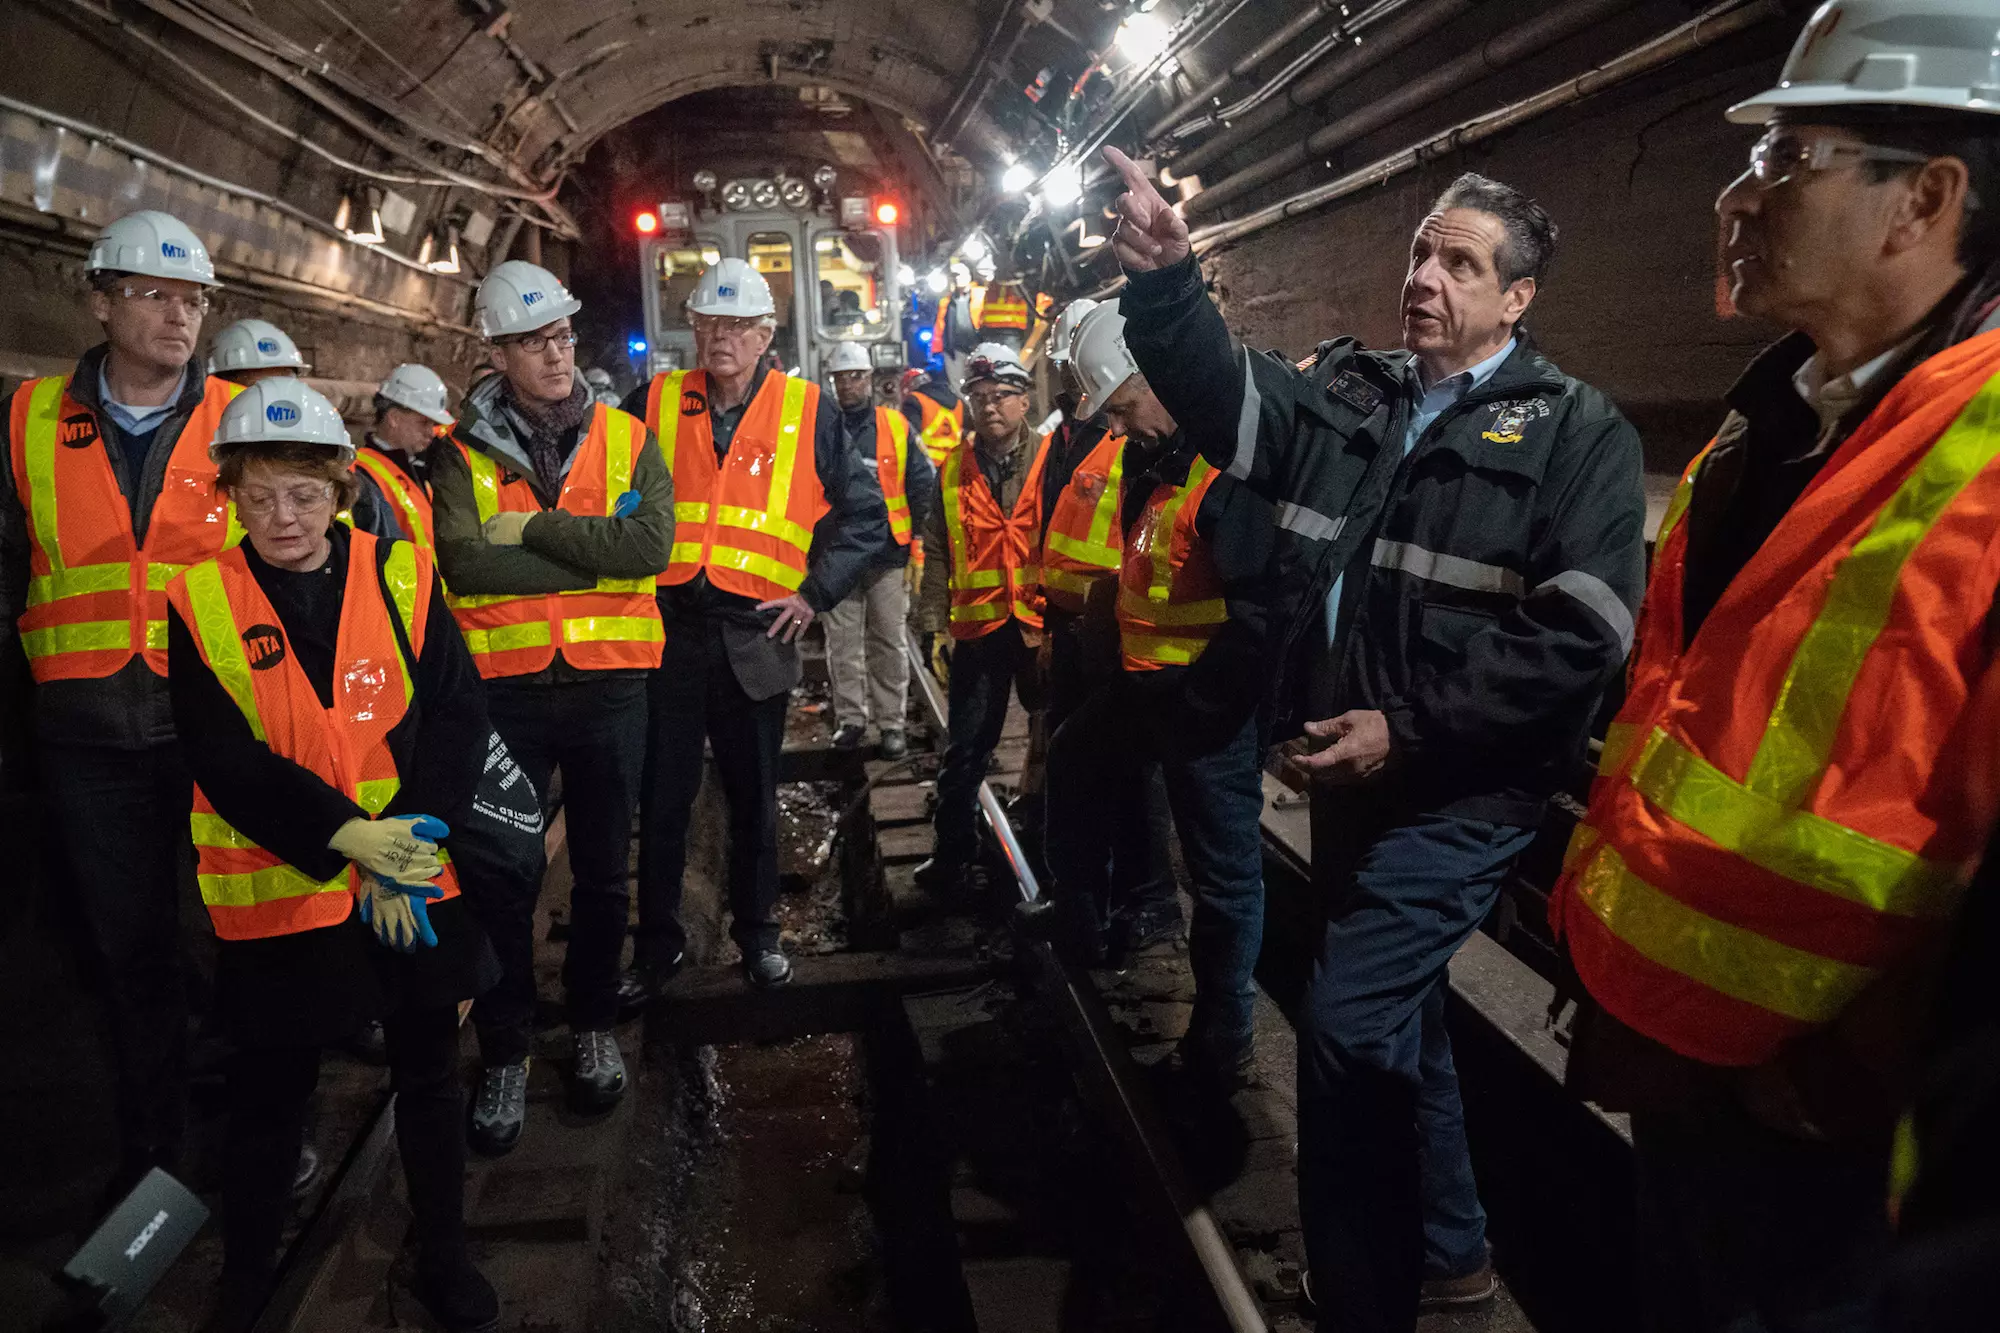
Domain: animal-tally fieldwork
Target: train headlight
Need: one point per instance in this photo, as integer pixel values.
(736, 195)
(704, 180)
(795, 192)
(764, 194)
(825, 177)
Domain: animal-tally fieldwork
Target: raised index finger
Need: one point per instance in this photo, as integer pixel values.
(1135, 179)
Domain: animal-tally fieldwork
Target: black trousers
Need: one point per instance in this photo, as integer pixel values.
(695, 695)
(595, 732)
(983, 670)
(268, 1091)
(120, 824)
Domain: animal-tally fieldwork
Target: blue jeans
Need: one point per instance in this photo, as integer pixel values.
(1216, 796)
(1386, 1193)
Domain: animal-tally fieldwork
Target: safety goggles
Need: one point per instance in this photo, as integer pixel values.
(1781, 155)
(994, 397)
(158, 298)
(302, 499)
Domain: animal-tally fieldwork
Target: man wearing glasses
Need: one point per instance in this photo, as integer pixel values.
(981, 604)
(108, 493)
(1803, 773)
(553, 515)
(778, 520)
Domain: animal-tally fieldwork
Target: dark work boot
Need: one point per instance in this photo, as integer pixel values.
(499, 1109)
(849, 735)
(894, 743)
(600, 1071)
(458, 1295)
(939, 875)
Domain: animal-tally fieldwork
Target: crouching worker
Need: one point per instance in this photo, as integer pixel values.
(329, 714)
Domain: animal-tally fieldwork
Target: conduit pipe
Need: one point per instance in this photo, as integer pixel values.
(1245, 65)
(1496, 53)
(1710, 26)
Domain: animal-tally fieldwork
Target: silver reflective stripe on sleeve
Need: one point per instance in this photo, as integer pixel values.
(1309, 522)
(1448, 569)
(1246, 423)
(1596, 594)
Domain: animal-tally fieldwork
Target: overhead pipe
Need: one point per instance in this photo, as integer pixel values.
(1194, 28)
(1710, 26)
(984, 72)
(1408, 27)
(1496, 53)
(1245, 65)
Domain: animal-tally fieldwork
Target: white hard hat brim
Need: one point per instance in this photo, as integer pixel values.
(430, 414)
(1093, 403)
(1837, 96)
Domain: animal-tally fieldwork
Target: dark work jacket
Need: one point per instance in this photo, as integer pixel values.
(129, 709)
(1069, 444)
(377, 513)
(317, 985)
(919, 481)
(845, 543)
(1494, 572)
(1204, 705)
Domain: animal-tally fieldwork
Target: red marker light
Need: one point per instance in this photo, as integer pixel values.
(886, 212)
(646, 223)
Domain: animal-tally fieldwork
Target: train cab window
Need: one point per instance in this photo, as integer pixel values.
(771, 254)
(679, 270)
(853, 298)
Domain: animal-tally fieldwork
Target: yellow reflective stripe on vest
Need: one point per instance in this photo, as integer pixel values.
(115, 576)
(1162, 586)
(770, 523)
(91, 636)
(1678, 504)
(749, 562)
(1165, 649)
(1801, 846)
(616, 629)
(1210, 612)
(979, 578)
(399, 571)
(972, 615)
(374, 794)
(1737, 962)
(220, 641)
(954, 525)
(1099, 555)
(1618, 738)
(1069, 580)
(1813, 698)
(485, 484)
(690, 511)
(668, 429)
(263, 886)
(507, 638)
(790, 420)
(619, 447)
(44, 420)
(389, 481)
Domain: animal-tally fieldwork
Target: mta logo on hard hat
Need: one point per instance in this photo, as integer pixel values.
(725, 291)
(281, 414)
(529, 298)
(173, 250)
(268, 346)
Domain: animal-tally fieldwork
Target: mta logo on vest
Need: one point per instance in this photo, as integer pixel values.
(173, 250)
(264, 646)
(281, 414)
(268, 346)
(529, 298)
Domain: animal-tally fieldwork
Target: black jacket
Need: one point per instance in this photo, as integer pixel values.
(379, 514)
(129, 709)
(1497, 567)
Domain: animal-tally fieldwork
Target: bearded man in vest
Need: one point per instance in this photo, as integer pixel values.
(864, 634)
(980, 604)
(107, 493)
(554, 515)
(1803, 775)
(394, 461)
(778, 520)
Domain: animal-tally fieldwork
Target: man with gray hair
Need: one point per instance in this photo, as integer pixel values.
(1459, 553)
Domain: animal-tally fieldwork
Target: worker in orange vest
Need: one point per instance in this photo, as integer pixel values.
(554, 515)
(394, 461)
(865, 653)
(329, 713)
(1806, 768)
(1190, 608)
(936, 410)
(778, 520)
(980, 605)
(107, 492)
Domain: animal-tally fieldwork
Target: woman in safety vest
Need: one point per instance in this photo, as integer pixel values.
(328, 711)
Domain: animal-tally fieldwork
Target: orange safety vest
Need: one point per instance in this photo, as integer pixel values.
(613, 626)
(748, 522)
(999, 306)
(410, 496)
(1169, 595)
(1791, 804)
(96, 598)
(252, 894)
(892, 453)
(943, 426)
(993, 575)
(1085, 539)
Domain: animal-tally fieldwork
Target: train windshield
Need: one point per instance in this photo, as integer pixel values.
(771, 254)
(678, 271)
(853, 298)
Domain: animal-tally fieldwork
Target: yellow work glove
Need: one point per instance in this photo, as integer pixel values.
(940, 655)
(505, 529)
(399, 913)
(394, 849)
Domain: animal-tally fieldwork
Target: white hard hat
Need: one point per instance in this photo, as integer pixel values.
(848, 356)
(1064, 332)
(518, 297)
(154, 245)
(994, 361)
(1939, 55)
(419, 389)
(280, 411)
(597, 377)
(253, 344)
(1100, 357)
(732, 286)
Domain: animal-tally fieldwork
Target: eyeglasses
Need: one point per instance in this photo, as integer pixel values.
(725, 326)
(1778, 156)
(994, 398)
(260, 503)
(159, 299)
(534, 344)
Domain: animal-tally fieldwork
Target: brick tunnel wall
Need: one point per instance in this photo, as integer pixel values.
(1630, 177)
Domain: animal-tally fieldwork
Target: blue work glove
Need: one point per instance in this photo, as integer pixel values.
(399, 913)
(628, 505)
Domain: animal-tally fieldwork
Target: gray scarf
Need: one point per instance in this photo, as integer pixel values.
(550, 433)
